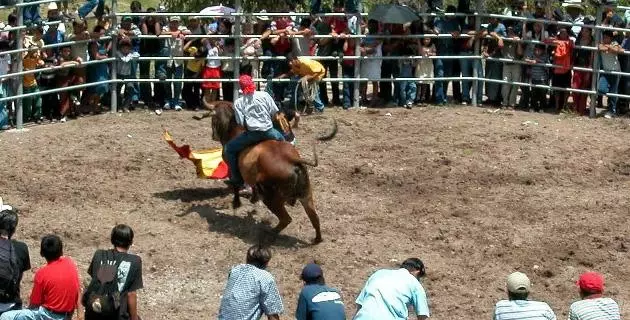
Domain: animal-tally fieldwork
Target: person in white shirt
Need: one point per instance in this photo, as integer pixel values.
(593, 305)
(254, 110)
(174, 67)
(517, 306)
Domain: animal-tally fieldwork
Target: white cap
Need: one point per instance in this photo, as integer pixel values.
(4, 206)
(518, 282)
(52, 6)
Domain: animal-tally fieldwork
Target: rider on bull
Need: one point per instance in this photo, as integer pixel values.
(254, 111)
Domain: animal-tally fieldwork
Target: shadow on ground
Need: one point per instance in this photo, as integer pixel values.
(193, 194)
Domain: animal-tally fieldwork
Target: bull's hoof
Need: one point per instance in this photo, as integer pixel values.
(317, 240)
(236, 203)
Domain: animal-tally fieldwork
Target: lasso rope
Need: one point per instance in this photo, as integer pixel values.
(309, 89)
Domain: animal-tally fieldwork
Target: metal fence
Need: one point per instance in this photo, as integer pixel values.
(237, 35)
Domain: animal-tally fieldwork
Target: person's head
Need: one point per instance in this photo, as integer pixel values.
(312, 274)
(292, 59)
(99, 29)
(33, 51)
(247, 85)
(538, 27)
(66, 51)
(510, 31)
(126, 22)
(135, 6)
(518, 286)
(563, 34)
(372, 26)
(193, 23)
(79, 26)
(51, 248)
(38, 32)
(8, 223)
(173, 22)
(607, 37)
(415, 267)
(53, 10)
(12, 19)
(122, 235)
(451, 9)
(125, 46)
(493, 20)
(585, 32)
(426, 42)
(258, 256)
(590, 283)
(225, 26)
(229, 44)
(305, 23)
(539, 49)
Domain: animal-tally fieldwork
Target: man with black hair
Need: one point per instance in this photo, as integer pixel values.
(128, 274)
(8, 248)
(388, 293)
(318, 301)
(251, 291)
(517, 306)
(56, 286)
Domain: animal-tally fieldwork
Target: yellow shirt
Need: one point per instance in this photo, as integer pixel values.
(29, 63)
(195, 65)
(309, 67)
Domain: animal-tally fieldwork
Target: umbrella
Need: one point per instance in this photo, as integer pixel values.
(393, 13)
(217, 10)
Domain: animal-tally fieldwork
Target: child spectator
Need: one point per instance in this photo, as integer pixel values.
(347, 72)
(129, 30)
(174, 68)
(53, 36)
(371, 68)
(211, 71)
(512, 49)
(252, 47)
(32, 106)
(609, 83)
(424, 69)
(227, 70)
(48, 80)
(80, 50)
(191, 90)
(539, 76)
(124, 69)
(406, 70)
(65, 78)
(5, 61)
(536, 33)
(562, 54)
(98, 72)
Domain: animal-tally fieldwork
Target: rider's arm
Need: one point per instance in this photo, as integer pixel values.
(238, 115)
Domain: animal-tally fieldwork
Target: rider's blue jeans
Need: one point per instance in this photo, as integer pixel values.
(241, 142)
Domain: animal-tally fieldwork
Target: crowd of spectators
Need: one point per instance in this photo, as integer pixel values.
(137, 37)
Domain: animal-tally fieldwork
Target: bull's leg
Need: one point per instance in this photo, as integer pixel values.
(276, 205)
(236, 201)
(309, 207)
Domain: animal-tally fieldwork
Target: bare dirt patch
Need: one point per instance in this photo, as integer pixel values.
(476, 195)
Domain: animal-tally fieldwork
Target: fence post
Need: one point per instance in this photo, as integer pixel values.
(357, 63)
(236, 62)
(19, 116)
(477, 51)
(595, 74)
(113, 86)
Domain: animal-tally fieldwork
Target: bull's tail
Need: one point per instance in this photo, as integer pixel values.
(308, 162)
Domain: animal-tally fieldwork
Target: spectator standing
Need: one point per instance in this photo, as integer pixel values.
(67, 77)
(5, 61)
(304, 34)
(371, 68)
(536, 33)
(593, 306)
(609, 51)
(97, 72)
(467, 66)
(347, 72)
(192, 90)
(174, 67)
(513, 50)
(539, 76)
(56, 286)
(32, 106)
(445, 47)
(406, 69)
(124, 70)
(53, 15)
(517, 306)
(52, 35)
(212, 70)
(11, 299)
(387, 294)
(562, 56)
(424, 69)
(122, 266)
(251, 48)
(80, 50)
(494, 69)
(150, 26)
(251, 290)
(582, 58)
(326, 47)
(227, 70)
(128, 30)
(318, 301)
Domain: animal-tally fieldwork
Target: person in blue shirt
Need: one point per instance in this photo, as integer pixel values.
(318, 301)
(388, 293)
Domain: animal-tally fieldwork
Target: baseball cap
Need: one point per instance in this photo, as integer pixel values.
(518, 282)
(247, 84)
(591, 282)
(311, 272)
(175, 18)
(126, 18)
(52, 6)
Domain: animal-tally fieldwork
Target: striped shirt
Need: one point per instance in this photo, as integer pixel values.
(594, 309)
(523, 309)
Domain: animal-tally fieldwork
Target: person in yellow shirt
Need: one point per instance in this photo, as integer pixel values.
(310, 72)
(192, 90)
(32, 105)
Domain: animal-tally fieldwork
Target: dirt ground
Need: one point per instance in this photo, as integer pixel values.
(475, 194)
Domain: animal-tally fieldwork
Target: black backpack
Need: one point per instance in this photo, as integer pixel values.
(9, 272)
(102, 296)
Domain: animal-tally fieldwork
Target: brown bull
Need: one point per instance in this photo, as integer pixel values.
(274, 169)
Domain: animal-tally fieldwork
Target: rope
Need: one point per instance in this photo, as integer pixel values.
(309, 89)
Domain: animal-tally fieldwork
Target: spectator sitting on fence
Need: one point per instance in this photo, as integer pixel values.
(67, 77)
(318, 301)
(124, 71)
(517, 306)
(251, 290)
(593, 304)
(117, 263)
(311, 72)
(32, 106)
(8, 225)
(387, 294)
(56, 286)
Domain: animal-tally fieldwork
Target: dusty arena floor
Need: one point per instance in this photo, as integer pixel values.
(475, 194)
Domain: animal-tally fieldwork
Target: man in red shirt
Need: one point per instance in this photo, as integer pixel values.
(56, 286)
